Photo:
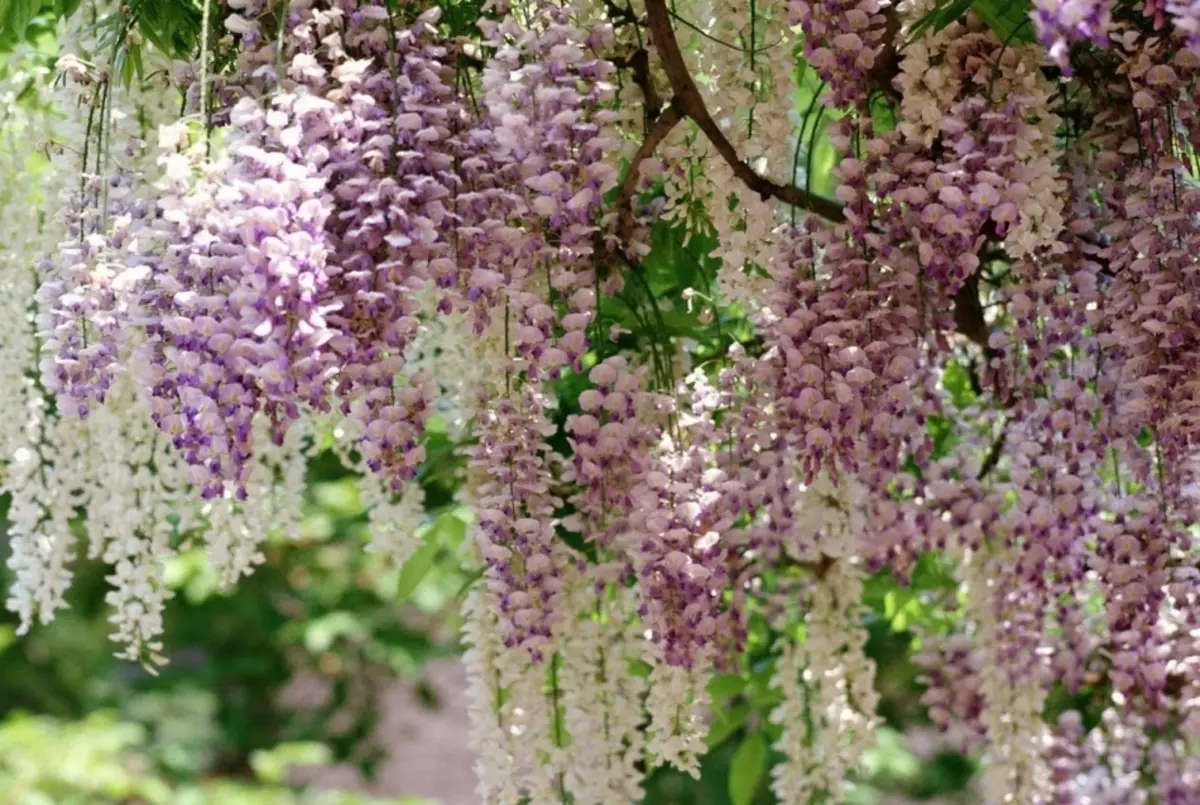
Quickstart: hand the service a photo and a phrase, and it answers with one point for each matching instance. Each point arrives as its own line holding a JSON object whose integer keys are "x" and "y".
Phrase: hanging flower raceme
{"x": 87, "y": 291}
{"x": 393, "y": 151}
{"x": 239, "y": 309}
{"x": 679, "y": 566}
{"x": 1153, "y": 341}
{"x": 612, "y": 440}
{"x": 81, "y": 320}
{"x": 516, "y": 529}
{"x": 545, "y": 94}
{"x": 841, "y": 41}
{"x": 818, "y": 362}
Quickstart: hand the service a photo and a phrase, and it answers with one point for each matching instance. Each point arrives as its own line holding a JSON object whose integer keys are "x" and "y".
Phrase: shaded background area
{"x": 428, "y": 752}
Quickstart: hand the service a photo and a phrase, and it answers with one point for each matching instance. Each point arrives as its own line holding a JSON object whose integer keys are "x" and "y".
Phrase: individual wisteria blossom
{"x": 1186, "y": 17}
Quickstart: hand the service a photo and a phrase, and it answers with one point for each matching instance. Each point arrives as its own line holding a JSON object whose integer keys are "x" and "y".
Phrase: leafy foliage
{"x": 102, "y": 760}
{"x": 320, "y": 611}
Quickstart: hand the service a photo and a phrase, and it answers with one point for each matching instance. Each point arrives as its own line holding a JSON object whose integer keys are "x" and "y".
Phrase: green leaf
{"x": 125, "y": 68}
{"x": 725, "y": 724}
{"x": 957, "y": 381}
{"x": 472, "y": 577}
{"x": 135, "y": 58}
{"x": 640, "y": 668}
{"x": 1145, "y": 437}
{"x": 883, "y": 113}
{"x": 746, "y": 771}
{"x": 900, "y": 607}
{"x": 172, "y": 27}
{"x": 5, "y": 14}
{"x": 271, "y": 765}
{"x": 341, "y": 497}
{"x": 938, "y": 18}
{"x": 415, "y": 569}
{"x": 15, "y": 16}
{"x": 891, "y": 759}
{"x": 722, "y": 686}
{"x": 65, "y": 8}
{"x": 323, "y": 632}
{"x": 1008, "y": 19}
{"x": 449, "y": 529}
{"x": 933, "y": 572}
{"x": 942, "y": 431}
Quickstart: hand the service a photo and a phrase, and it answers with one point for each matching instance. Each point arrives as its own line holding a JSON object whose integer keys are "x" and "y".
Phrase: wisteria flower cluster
{"x": 703, "y": 388}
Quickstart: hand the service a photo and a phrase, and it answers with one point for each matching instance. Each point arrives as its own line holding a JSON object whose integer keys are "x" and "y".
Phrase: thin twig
{"x": 670, "y": 117}
{"x": 993, "y": 455}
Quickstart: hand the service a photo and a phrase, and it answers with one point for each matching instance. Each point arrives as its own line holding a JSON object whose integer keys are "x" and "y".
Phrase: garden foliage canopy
{"x": 733, "y": 309}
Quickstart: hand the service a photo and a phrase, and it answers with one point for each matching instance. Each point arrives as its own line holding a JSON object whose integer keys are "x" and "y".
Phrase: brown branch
{"x": 993, "y": 455}
{"x": 690, "y": 102}
{"x": 618, "y": 15}
{"x": 968, "y": 316}
{"x": 661, "y": 127}
{"x": 887, "y": 63}
{"x": 817, "y": 568}
{"x": 639, "y": 63}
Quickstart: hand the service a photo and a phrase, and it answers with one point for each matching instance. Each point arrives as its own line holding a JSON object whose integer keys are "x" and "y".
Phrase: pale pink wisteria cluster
{"x": 983, "y": 347}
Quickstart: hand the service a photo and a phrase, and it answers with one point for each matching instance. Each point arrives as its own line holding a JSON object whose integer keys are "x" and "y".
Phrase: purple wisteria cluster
{"x": 527, "y": 563}
{"x": 240, "y": 310}
{"x": 88, "y": 286}
{"x": 842, "y": 38}
{"x": 348, "y": 184}
{"x": 613, "y": 442}
{"x": 681, "y": 557}
{"x": 1062, "y": 23}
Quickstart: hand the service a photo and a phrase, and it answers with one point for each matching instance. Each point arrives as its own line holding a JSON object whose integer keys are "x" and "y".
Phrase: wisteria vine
{"x": 971, "y": 340}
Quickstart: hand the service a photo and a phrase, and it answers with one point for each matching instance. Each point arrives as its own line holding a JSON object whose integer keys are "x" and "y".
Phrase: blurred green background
{"x": 321, "y": 615}
{"x": 222, "y": 724}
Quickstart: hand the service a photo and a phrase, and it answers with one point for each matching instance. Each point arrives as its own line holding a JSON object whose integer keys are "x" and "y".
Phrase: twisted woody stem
{"x": 687, "y": 103}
